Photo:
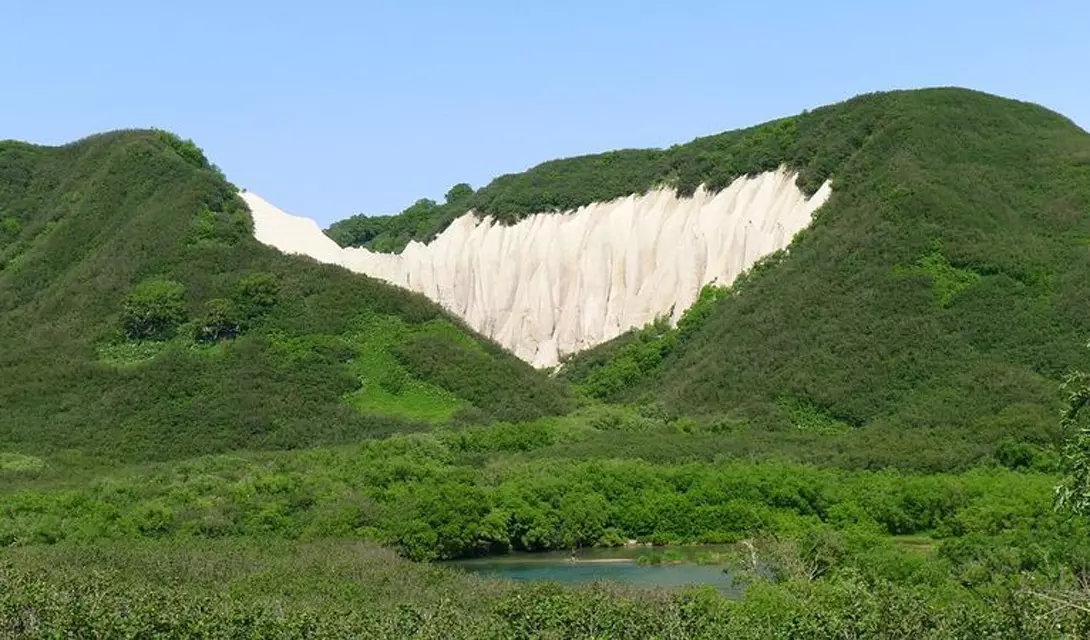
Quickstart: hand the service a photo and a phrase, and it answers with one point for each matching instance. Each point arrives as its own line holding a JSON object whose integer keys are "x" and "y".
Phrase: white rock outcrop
{"x": 558, "y": 283}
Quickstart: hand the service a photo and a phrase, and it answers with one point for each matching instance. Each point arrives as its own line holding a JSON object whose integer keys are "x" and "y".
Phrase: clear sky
{"x": 333, "y": 108}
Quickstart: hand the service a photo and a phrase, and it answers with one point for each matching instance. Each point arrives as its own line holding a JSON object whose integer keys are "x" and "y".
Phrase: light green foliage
{"x": 221, "y": 228}
{"x": 9, "y": 228}
{"x": 697, "y": 314}
{"x": 429, "y": 496}
{"x": 256, "y": 295}
{"x": 16, "y": 462}
{"x": 120, "y": 354}
{"x": 1072, "y": 495}
{"x": 348, "y": 589}
{"x": 946, "y": 279}
{"x": 639, "y": 354}
{"x": 154, "y": 310}
{"x": 386, "y": 386}
{"x": 806, "y": 417}
{"x": 204, "y": 227}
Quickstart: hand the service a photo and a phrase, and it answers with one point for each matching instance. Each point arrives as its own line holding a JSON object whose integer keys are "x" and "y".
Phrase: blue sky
{"x": 334, "y": 108}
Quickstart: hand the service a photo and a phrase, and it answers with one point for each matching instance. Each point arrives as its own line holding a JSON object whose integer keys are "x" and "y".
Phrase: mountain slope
{"x": 320, "y": 355}
{"x": 945, "y": 284}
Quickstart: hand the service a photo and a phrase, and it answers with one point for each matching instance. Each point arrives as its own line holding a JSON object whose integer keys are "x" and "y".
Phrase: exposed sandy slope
{"x": 554, "y": 284}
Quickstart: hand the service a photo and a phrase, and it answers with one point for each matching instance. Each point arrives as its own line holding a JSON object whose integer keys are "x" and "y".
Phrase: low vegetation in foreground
{"x": 283, "y": 544}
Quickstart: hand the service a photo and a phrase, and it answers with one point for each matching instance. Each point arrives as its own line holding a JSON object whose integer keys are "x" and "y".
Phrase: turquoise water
{"x": 600, "y": 565}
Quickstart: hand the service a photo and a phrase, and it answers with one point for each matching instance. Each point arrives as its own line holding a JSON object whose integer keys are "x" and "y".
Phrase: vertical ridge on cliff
{"x": 554, "y": 284}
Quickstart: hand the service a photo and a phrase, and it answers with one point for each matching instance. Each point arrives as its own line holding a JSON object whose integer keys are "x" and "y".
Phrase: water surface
{"x": 599, "y": 565}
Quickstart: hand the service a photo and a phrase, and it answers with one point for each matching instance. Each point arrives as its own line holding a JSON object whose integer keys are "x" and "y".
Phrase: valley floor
{"x": 327, "y": 542}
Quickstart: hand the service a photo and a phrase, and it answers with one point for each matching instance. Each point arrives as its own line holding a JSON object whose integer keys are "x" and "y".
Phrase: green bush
{"x": 154, "y": 310}
{"x": 221, "y": 320}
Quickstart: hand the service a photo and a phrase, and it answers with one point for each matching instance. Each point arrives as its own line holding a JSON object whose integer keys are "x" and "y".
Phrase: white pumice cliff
{"x": 558, "y": 283}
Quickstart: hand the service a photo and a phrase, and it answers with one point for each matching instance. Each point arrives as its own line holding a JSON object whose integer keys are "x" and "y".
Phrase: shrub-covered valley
{"x": 879, "y": 429}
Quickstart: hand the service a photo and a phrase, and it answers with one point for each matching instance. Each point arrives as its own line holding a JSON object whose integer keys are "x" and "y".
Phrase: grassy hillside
{"x": 945, "y": 285}
{"x": 139, "y": 319}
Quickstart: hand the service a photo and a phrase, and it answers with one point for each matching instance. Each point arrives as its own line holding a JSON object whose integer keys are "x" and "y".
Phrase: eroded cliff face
{"x": 558, "y": 283}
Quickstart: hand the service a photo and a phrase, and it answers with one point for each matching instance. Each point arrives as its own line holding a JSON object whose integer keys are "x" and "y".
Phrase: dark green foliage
{"x": 607, "y": 372}
{"x": 154, "y": 310}
{"x": 221, "y": 320}
{"x": 458, "y": 194}
{"x": 256, "y": 295}
{"x": 941, "y": 286}
{"x": 560, "y": 185}
{"x": 421, "y": 221}
{"x": 188, "y": 151}
{"x": 814, "y": 144}
{"x": 120, "y": 216}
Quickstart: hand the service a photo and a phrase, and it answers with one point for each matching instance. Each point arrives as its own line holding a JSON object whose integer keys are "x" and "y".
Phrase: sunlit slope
{"x": 946, "y": 282}
{"x": 239, "y": 346}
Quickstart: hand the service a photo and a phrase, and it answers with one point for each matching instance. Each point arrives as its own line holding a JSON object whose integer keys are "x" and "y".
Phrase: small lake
{"x": 620, "y": 565}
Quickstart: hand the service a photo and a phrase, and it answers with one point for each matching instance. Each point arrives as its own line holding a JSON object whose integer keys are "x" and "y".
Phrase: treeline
{"x": 814, "y": 144}
{"x": 432, "y": 497}
{"x": 423, "y": 220}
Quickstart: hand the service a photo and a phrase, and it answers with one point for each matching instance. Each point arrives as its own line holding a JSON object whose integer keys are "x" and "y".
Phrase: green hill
{"x": 139, "y": 319}
{"x": 945, "y": 285}
{"x": 943, "y": 288}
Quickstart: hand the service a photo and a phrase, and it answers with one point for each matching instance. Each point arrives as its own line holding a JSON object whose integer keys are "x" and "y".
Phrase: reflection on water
{"x": 614, "y": 565}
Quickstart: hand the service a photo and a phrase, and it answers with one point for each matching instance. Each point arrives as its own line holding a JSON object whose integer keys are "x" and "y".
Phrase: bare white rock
{"x": 558, "y": 283}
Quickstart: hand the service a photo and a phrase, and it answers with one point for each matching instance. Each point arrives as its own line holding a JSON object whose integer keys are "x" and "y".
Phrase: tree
{"x": 1073, "y": 492}
{"x": 220, "y": 321}
{"x": 458, "y": 193}
{"x": 154, "y": 310}
{"x": 255, "y": 295}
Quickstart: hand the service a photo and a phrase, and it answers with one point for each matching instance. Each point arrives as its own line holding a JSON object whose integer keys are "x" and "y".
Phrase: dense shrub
{"x": 154, "y": 310}
{"x": 221, "y": 320}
